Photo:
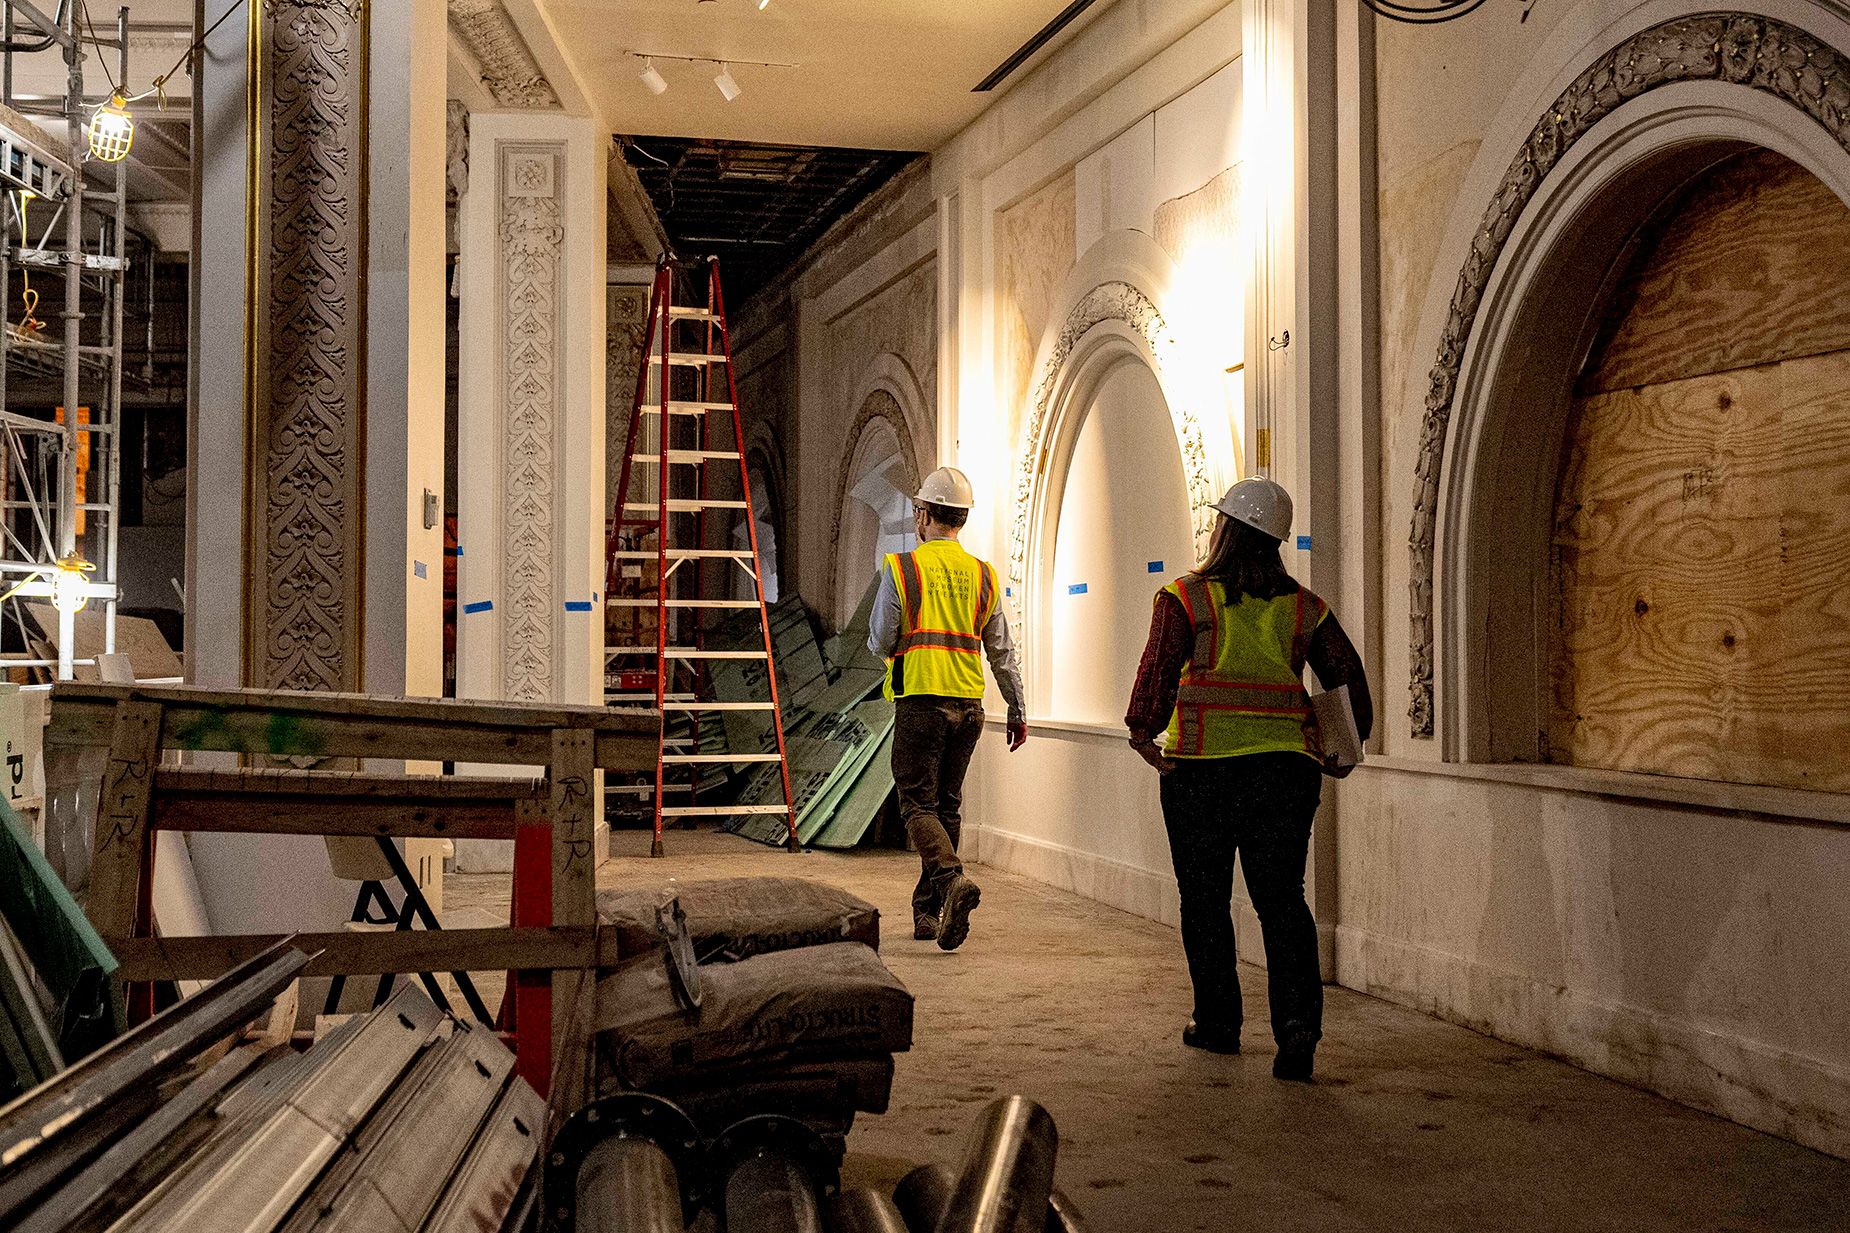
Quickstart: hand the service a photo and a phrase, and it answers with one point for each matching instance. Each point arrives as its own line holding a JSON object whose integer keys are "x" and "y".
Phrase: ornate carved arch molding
{"x": 1759, "y": 53}
{"x": 880, "y": 403}
{"x": 1107, "y": 302}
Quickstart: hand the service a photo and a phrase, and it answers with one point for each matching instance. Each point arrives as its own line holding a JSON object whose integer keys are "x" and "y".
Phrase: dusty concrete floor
{"x": 1412, "y": 1123}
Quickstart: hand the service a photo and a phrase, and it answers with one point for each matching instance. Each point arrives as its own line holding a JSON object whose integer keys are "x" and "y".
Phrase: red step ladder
{"x": 662, "y": 547}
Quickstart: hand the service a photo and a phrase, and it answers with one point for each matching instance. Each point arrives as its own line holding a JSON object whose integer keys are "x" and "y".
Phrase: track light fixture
{"x": 763, "y": 5}
{"x": 652, "y": 77}
{"x": 728, "y": 88}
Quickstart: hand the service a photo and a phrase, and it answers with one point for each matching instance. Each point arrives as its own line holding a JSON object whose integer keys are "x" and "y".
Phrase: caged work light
{"x": 70, "y": 584}
{"x": 112, "y": 130}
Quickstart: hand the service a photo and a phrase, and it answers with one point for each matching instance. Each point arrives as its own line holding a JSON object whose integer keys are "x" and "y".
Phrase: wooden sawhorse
{"x": 552, "y": 946}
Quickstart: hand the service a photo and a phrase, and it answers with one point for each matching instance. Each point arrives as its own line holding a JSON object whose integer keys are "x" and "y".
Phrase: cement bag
{"x": 789, "y": 1005}
{"x": 736, "y": 918}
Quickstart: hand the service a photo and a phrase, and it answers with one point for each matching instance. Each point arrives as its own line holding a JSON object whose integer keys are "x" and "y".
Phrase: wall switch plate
{"x": 430, "y": 509}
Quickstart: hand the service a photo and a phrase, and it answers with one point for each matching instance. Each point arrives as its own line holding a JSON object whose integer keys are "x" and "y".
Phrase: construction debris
{"x": 404, "y": 1118}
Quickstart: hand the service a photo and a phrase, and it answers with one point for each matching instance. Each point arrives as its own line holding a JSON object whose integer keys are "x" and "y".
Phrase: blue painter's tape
{"x": 480, "y": 605}
{"x": 1008, "y": 590}
{"x": 1155, "y": 567}
{"x": 459, "y": 550}
{"x": 1303, "y": 543}
{"x": 420, "y": 569}
{"x": 1078, "y": 588}
{"x": 578, "y": 605}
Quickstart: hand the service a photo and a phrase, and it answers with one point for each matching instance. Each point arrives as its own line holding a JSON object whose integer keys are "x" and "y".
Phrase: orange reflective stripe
{"x": 1203, "y": 616}
{"x": 942, "y": 639}
{"x": 913, "y": 597}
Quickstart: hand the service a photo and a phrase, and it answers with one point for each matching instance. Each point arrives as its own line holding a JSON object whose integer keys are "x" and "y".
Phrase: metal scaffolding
{"x": 58, "y": 535}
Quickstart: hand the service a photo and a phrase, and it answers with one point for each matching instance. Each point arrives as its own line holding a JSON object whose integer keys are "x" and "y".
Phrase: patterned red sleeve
{"x": 1159, "y": 674}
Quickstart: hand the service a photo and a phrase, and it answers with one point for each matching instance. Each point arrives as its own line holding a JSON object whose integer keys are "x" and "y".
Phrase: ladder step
{"x": 720, "y": 811}
{"x": 690, "y": 456}
{"x": 648, "y": 698}
{"x": 719, "y": 706}
{"x": 689, "y": 359}
{"x": 681, "y": 406}
{"x": 684, "y": 759}
{"x": 683, "y": 652}
{"x": 680, "y": 505}
{"x": 620, "y": 601}
{"x": 687, "y": 554}
{"x": 693, "y": 314}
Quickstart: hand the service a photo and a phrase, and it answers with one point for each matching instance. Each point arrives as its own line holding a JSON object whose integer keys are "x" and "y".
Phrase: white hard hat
{"x": 1261, "y": 505}
{"x": 949, "y": 487}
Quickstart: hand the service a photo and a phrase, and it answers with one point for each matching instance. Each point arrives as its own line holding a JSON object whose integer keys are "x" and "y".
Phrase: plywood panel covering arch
{"x": 1701, "y": 612}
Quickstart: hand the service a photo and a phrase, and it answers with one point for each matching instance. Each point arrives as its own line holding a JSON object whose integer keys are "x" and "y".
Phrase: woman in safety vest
{"x": 1241, "y": 764}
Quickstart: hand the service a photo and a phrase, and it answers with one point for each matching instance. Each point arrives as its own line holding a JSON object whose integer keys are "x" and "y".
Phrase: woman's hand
{"x": 1152, "y": 753}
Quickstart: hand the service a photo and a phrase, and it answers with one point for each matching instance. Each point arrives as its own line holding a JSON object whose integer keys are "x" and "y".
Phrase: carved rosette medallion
{"x": 531, "y": 236}
{"x": 1743, "y": 49}
{"x": 307, "y": 406}
{"x": 1113, "y": 301}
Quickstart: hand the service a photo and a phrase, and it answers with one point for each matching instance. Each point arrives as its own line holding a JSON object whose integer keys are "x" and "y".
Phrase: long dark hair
{"x": 1245, "y": 561}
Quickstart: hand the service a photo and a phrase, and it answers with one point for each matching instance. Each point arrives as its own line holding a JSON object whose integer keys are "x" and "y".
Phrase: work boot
{"x": 960, "y": 899}
{"x": 924, "y": 928}
{"x": 1297, "y": 1054}
{"x": 1214, "y": 1040}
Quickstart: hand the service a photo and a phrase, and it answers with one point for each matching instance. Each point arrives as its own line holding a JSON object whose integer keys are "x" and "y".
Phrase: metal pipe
{"x": 628, "y": 1186}
{"x": 73, "y": 326}
{"x": 623, "y": 1164}
{"x": 112, "y": 443}
{"x": 923, "y": 1195}
{"x": 864, "y": 1211}
{"x": 1007, "y": 1173}
{"x": 770, "y": 1169}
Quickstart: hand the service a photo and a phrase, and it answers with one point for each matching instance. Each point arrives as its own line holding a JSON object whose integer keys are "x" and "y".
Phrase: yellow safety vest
{"x": 946, "y": 597}
{"x": 1242, "y": 691}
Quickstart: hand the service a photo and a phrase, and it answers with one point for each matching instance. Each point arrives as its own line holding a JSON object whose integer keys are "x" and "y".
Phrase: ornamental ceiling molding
{"x": 1743, "y": 49}
{"x": 509, "y": 70}
{"x": 532, "y": 236}
{"x": 303, "y": 604}
{"x": 1120, "y": 302}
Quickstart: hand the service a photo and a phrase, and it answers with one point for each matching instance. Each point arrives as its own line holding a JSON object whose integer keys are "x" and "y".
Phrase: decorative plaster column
{"x": 531, "y": 437}
{"x": 317, "y": 408}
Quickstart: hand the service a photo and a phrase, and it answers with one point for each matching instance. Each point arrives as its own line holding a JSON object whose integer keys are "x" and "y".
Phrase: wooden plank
{"x": 1702, "y": 538}
{"x": 289, "y": 780}
{"x": 574, "y": 903}
{"x": 281, "y": 724}
{"x": 367, "y": 954}
{"x": 122, "y": 834}
{"x": 360, "y": 817}
{"x": 1748, "y": 270}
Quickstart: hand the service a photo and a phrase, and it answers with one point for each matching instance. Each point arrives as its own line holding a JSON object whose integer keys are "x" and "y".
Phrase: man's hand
{"x": 1018, "y": 734}
{"x": 1152, "y": 753}
{"x": 1334, "y": 769}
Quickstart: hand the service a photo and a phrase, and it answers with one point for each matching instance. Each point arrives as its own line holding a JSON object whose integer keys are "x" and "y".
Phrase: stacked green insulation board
{"x": 838, "y": 731}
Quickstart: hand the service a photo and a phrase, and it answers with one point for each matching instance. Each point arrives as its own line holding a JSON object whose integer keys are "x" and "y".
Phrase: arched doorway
{"x": 874, "y": 511}
{"x": 1701, "y": 528}
{"x": 1123, "y": 527}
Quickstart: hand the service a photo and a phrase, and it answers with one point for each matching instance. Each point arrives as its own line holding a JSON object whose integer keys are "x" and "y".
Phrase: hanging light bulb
{"x": 112, "y": 130}
{"x": 70, "y": 584}
{"x": 652, "y": 77}
{"x": 727, "y": 86}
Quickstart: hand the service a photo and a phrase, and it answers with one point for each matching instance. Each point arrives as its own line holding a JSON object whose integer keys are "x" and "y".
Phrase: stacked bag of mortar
{"x": 750, "y": 995}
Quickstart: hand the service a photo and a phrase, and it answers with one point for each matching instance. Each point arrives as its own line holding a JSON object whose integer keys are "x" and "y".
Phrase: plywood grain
{"x": 1702, "y": 578}
{"x": 1750, "y": 268}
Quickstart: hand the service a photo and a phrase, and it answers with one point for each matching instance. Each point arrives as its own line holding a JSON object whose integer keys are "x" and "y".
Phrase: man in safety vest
{"x": 937, "y": 613}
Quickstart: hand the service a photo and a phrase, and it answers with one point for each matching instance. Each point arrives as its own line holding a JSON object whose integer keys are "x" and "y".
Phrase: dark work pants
{"x": 1259, "y": 806}
{"x": 933, "y": 739}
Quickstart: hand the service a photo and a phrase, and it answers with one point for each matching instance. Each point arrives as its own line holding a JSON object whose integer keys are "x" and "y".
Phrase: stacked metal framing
{"x": 47, "y": 210}
{"x": 403, "y": 1119}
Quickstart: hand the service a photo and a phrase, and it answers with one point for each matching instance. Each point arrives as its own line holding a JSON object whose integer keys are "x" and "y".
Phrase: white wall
{"x": 1123, "y": 531}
